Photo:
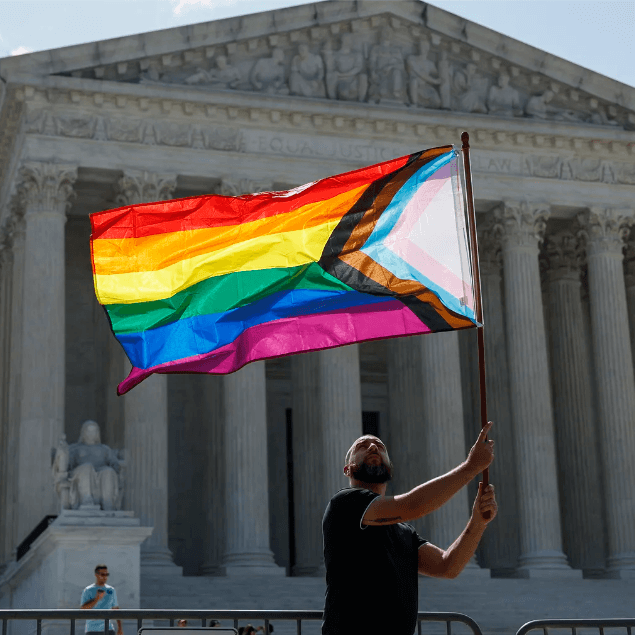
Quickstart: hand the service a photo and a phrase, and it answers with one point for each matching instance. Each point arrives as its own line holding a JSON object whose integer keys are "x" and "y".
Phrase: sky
{"x": 599, "y": 35}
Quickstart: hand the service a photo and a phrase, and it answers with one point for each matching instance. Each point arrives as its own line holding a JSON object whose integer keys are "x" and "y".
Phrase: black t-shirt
{"x": 371, "y": 571}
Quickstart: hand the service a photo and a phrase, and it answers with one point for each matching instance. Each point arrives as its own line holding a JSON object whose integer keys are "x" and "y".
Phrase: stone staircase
{"x": 498, "y": 605}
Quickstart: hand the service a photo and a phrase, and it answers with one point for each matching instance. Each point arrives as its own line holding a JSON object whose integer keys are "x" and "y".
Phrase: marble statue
{"x": 268, "y": 74}
{"x": 472, "y": 89}
{"x": 503, "y": 100}
{"x": 307, "y": 74}
{"x": 539, "y": 108}
{"x": 421, "y": 78}
{"x": 345, "y": 78}
{"x": 151, "y": 75}
{"x": 445, "y": 78}
{"x": 387, "y": 70}
{"x": 223, "y": 76}
{"x": 600, "y": 117}
{"x": 87, "y": 473}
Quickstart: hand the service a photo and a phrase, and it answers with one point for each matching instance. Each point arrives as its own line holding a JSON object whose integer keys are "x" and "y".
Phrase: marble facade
{"x": 272, "y": 101}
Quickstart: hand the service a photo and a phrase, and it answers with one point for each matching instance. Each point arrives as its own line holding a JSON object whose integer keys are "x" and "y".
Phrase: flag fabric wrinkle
{"x": 208, "y": 284}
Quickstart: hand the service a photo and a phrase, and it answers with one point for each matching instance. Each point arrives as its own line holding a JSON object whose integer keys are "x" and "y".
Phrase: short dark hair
{"x": 100, "y": 566}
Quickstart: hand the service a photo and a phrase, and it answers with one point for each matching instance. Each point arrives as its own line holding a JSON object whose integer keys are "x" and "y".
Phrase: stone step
{"x": 498, "y": 605}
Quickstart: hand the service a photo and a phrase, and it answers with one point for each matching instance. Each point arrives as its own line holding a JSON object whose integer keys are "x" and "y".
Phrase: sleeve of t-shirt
{"x": 417, "y": 539}
{"x": 349, "y": 506}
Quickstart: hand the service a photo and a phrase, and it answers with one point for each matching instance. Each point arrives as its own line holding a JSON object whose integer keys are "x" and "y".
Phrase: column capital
{"x": 238, "y": 186}
{"x": 563, "y": 255}
{"x": 521, "y": 223}
{"x": 605, "y": 230}
{"x": 46, "y": 187}
{"x": 489, "y": 247}
{"x": 140, "y": 186}
{"x": 629, "y": 264}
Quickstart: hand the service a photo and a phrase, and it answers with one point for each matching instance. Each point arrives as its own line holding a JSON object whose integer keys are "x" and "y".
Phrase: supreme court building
{"x": 234, "y": 472}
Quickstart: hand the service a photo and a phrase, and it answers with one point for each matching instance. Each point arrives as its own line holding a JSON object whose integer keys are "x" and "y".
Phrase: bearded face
{"x": 372, "y": 473}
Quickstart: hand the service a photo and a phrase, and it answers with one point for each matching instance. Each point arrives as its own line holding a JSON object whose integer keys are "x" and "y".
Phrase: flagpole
{"x": 465, "y": 138}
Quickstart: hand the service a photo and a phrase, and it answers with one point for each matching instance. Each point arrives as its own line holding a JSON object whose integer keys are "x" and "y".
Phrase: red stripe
{"x": 199, "y": 212}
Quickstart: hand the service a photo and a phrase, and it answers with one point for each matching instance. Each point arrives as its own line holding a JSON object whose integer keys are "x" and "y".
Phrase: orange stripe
{"x": 373, "y": 270}
{"x": 152, "y": 253}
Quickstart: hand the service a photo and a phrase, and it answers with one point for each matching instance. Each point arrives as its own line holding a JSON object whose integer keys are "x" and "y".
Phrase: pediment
{"x": 402, "y": 53}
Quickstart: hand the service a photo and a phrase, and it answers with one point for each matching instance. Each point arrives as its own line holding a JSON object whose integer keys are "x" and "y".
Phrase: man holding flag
{"x": 373, "y": 557}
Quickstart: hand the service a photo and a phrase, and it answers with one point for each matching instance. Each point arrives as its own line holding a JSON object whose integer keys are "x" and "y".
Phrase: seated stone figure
{"x": 87, "y": 473}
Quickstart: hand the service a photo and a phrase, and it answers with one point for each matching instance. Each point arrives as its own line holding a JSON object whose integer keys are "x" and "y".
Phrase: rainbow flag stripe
{"x": 209, "y": 283}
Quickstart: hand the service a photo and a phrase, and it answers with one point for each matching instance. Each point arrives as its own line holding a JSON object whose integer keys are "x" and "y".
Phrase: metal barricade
{"x": 574, "y": 625}
{"x": 202, "y": 617}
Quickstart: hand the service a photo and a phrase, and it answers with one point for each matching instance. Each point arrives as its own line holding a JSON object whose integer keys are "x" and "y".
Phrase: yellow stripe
{"x": 287, "y": 249}
{"x": 151, "y": 253}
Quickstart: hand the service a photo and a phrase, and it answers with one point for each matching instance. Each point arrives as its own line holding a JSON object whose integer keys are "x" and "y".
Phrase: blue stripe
{"x": 392, "y": 213}
{"x": 400, "y": 268}
{"x": 205, "y": 333}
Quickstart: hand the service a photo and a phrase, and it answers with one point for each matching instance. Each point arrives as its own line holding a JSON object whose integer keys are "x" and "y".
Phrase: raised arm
{"x": 425, "y": 498}
{"x": 437, "y": 563}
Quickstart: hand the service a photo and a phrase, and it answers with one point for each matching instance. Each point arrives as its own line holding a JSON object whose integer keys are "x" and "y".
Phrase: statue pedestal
{"x": 61, "y": 562}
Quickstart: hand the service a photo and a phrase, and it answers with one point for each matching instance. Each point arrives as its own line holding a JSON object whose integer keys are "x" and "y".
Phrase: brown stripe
{"x": 366, "y": 225}
{"x": 400, "y": 287}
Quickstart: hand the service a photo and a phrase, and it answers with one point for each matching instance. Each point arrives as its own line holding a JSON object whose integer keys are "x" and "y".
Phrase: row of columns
{"x": 426, "y": 435}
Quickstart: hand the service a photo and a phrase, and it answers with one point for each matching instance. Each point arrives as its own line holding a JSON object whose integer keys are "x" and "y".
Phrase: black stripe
{"x": 350, "y": 220}
{"x": 358, "y": 281}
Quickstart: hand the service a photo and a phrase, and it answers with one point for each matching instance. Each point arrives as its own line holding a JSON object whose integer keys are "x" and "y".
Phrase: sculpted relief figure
{"x": 421, "y": 82}
{"x": 387, "y": 70}
{"x": 307, "y": 74}
{"x": 345, "y": 78}
{"x": 87, "y": 472}
{"x": 472, "y": 90}
{"x": 223, "y": 76}
{"x": 445, "y": 77}
{"x": 503, "y": 100}
{"x": 268, "y": 75}
{"x": 539, "y": 108}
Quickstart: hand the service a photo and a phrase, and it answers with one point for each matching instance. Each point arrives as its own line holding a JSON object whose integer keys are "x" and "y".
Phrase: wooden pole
{"x": 471, "y": 215}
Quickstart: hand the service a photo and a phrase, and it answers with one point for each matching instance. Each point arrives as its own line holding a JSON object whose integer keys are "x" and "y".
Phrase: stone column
{"x": 427, "y": 434}
{"x": 46, "y": 189}
{"x": 578, "y": 466}
{"x": 215, "y": 470}
{"x": 629, "y": 278}
{"x": 612, "y": 358}
{"x": 501, "y": 543}
{"x": 247, "y": 550}
{"x": 17, "y": 235}
{"x": 441, "y": 419}
{"x": 146, "y": 415}
{"x": 327, "y": 418}
{"x": 522, "y": 227}
{"x": 6, "y": 271}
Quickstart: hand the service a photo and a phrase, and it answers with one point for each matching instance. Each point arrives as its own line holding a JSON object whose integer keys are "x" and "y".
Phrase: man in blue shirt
{"x": 100, "y": 596}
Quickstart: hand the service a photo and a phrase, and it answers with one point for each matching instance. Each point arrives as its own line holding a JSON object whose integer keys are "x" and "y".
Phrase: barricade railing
{"x": 202, "y": 617}
{"x": 574, "y": 625}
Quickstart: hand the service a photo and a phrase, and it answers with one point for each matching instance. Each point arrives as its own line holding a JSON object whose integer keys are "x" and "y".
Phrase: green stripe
{"x": 219, "y": 294}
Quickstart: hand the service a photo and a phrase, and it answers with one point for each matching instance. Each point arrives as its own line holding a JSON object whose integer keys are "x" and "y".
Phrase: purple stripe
{"x": 294, "y": 335}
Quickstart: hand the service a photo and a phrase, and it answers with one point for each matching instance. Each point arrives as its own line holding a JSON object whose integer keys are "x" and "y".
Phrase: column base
{"x": 213, "y": 570}
{"x": 546, "y": 564}
{"x": 248, "y": 564}
{"x": 621, "y": 566}
{"x": 158, "y": 561}
{"x": 308, "y": 571}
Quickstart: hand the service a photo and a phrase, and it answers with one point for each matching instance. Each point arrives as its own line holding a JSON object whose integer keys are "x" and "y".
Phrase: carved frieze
{"x": 375, "y": 62}
{"x": 134, "y": 130}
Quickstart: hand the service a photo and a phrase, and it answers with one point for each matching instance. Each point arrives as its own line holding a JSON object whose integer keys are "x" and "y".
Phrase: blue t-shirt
{"x": 108, "y": 601}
